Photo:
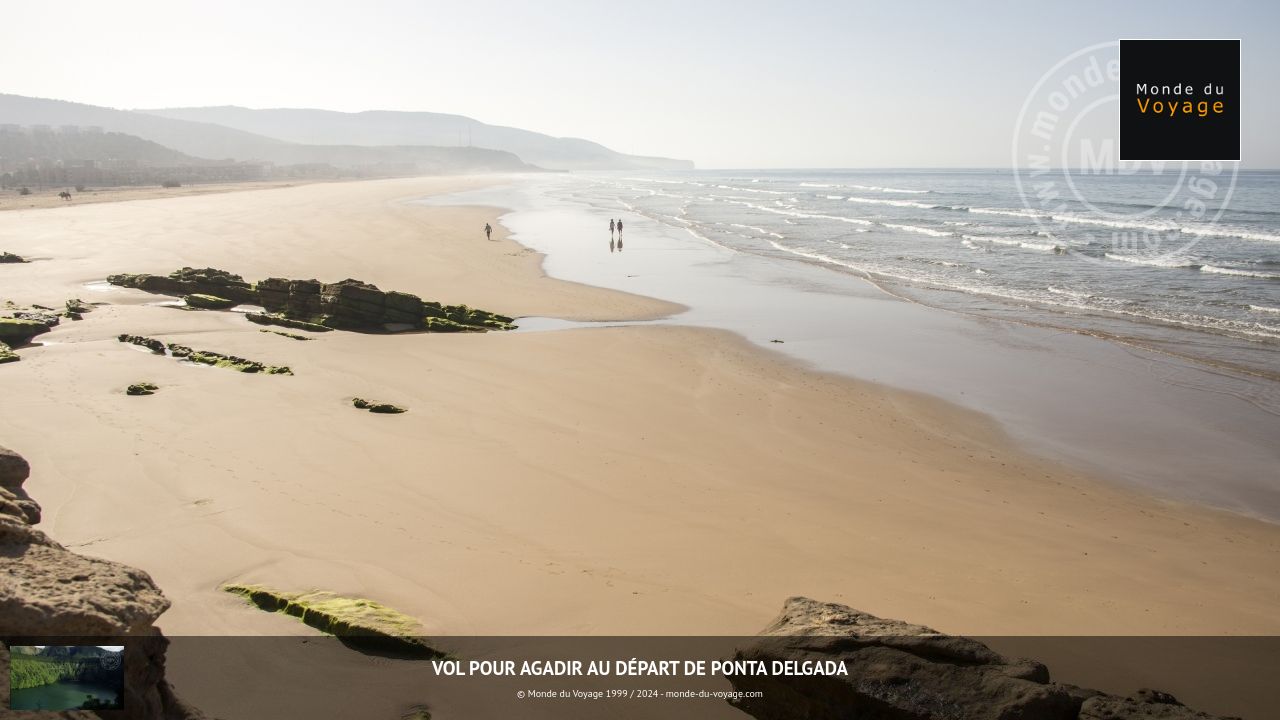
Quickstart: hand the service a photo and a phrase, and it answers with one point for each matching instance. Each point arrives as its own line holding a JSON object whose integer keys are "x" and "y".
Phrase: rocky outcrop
{"x": 191, "y": 281}
{"x": 355, "y": 305}
{"x": 1142, "y": 705}
{"x": 899, "y": 671}
{"x": 76, "y": 308}
{"x": 7, "y": 355}
{"x": 360, "y": 623}
{"x": 142, "y": 388}
{"x": 291, "y": 336}
{"x": 19, "y": 331}
{"x": 271, "y": 319}
{"x": 374, "y": 406}
{"x": 313, "y": 305}
{"x": 8, "y": 257}
{"x": 208, "y": 302}
{"x": 151, "y": 344}
{"x": 49, "y": 319}
{"x": 14, "y": 469}
{"x": 50, "y": 592}
{"x": 204, "y": 357}
{"x": 231, "y": 362}
{"x": 14, "y": 501}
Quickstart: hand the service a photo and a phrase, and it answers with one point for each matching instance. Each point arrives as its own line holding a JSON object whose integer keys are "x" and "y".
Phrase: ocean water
{"x": 1155, "y": 374}
{"x": 1115, "y": 256}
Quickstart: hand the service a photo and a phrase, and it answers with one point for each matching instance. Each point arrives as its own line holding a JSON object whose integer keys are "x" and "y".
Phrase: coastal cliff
{"x": 49, "y": 594}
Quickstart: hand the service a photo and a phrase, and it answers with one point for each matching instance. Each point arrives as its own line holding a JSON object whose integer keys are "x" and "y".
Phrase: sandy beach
{"x": 633, "y": 480}
{"x": 41, "y": 198}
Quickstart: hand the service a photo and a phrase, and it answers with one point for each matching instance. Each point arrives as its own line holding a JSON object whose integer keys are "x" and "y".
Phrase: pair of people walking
{"x": 615, "y": 226}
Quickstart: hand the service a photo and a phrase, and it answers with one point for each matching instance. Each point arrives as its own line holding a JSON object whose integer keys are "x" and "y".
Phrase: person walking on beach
{"x": 488, "y": 231}
{"x": 610, "y": 229}
{"x": 619, "y": 228}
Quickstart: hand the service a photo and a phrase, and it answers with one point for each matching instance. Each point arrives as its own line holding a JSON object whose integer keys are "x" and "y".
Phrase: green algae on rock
{"x": 377, "y": 407}
{"x": 17, "y": 331}
{"x": 281, "y": 333}
{"x": 358, "y": 622}
{"x": 208, "y": 302}
{"x": 232, "y": 362}
{"x": 310, "y": 304}
{"x": 76, "y": 308}
{"x": 8, "y": 257}
{"x": 188, "y": 281}
{"x": 142, "y": 388}
{"x": 151, "y": 344}
{"x": 282, "y": 321}
{"x": 7, "y": 355}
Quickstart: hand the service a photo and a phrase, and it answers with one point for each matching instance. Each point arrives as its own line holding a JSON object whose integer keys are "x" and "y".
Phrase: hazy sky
{"x": 726, "y": 84}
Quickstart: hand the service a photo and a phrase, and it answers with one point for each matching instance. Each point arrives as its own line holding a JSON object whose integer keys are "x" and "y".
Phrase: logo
{"x": 1073, "y": 182}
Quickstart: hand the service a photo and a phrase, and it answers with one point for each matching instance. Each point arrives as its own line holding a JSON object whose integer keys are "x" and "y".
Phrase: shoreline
{"x": 604, "y": 455}
{"x": 1173, "y": 428}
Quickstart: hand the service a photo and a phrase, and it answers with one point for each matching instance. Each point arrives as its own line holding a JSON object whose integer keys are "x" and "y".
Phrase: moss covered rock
{"x": 34, "y": 315}
{"x": 208, "y": 302}
{"x": 281, "y": 333}
{"x": 151, "y": 344}
{"x": 75, "y": 309}
{"x": 8, "y": 257}
{"x": 359, "y": 622}
{"x": 7, "y": 355}
{"x": 270, "y": 319}
{"x": 142, "y": 388}
{"x": 310, "y": 304}
{"x": 377, "y": 407}
{"x": 189, "y": 281}
{"x": 16, "y": 331}
{"x": 456, "y": 318}
{"x": 231, "y": 362}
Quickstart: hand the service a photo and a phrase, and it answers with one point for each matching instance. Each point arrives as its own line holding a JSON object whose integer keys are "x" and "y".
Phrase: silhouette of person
{"x": 610, "y": 228}
{"x": 619, "y": 228}
{"x": 488, "y": 231}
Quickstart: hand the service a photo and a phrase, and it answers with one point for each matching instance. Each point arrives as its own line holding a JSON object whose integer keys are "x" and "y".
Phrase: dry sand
{"x": 627, "y": 480}
{"x": 48, "y": 197}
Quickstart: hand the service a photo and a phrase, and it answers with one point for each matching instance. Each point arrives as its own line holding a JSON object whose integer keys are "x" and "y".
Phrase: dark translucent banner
{"x": 319, "y": 676}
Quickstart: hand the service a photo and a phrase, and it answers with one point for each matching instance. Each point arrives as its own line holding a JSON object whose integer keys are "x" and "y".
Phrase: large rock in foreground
{"x": 50, "y": 595}
{"x": 899, "y": 671}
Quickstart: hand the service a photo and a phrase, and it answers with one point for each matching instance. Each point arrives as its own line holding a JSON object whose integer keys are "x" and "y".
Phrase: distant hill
{"x": 197, "y": 139}
{"x": 86, "y": 146}
{"x": 215, "y": 142}
{"x": 383, "y": 127}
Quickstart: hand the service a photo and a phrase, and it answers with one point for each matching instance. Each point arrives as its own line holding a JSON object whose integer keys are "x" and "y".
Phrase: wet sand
{"x": 1158, "y": 423}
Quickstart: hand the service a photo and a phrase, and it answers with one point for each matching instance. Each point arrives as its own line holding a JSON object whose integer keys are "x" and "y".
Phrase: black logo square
{"x": 1179, "y": 99}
